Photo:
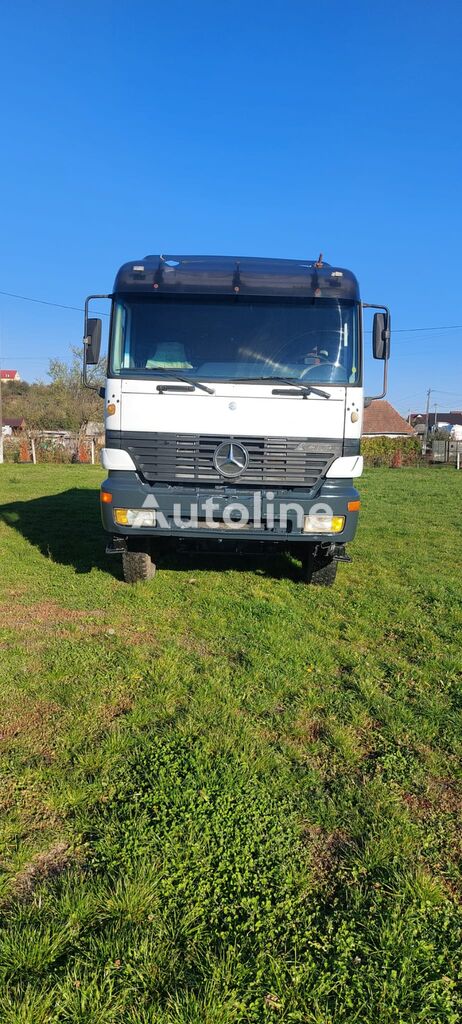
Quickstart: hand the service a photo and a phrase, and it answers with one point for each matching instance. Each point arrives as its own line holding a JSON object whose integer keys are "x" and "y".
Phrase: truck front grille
{"x": 188, "y": 458}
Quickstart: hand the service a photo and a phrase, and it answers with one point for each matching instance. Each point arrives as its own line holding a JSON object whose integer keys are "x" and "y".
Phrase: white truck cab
{"x": 233, "y": 407}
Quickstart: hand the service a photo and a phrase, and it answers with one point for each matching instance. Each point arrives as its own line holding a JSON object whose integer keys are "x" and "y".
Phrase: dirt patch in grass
{"x": 45, "y": 613}
{"x": 35, "y": 724}
{"x": 33, "y": 624}
{"x": 440, "y": 796}
{"x": 325, "y": 850}
{"x": 134, "y": 637}
{"x": 108, "y": 713}
{"x": 195, "y": 646}
{"x": 446, "y": 795}
{"x": 49, "y": 864}
{"x": 438, "y": 811}
{"x": 311, "y": 729}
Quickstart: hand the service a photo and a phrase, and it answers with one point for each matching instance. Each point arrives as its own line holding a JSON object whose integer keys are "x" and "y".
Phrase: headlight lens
{"x": 323, "y": 524}
{"x": 137, "y": 517}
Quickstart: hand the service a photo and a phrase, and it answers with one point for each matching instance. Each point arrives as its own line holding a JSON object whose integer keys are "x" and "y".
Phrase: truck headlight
{"x": 135, "y": 516}
{"x": 323, "y": 524}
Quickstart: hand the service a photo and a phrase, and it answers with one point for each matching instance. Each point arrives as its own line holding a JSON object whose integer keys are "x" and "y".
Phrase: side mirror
{"x": 381, "y": 336}
{"x": 92, "y": 341}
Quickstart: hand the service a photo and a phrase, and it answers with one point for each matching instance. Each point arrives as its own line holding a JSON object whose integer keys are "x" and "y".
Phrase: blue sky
{"x": 247, "y": 128}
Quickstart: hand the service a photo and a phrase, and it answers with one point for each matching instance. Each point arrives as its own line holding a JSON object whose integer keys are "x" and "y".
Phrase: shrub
{"x": 17, "y": 449}
{"x": 388, "y": 451}
{"x": 11, "y": 449}
{"x": 49, "y": 452}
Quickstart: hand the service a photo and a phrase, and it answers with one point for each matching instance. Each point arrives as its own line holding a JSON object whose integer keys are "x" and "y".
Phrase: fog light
{"x": 136, "y": 517}
{"x": 323, "y": 524}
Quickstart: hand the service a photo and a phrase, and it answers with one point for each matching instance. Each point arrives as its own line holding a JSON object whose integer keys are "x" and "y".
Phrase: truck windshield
{"x": 236, "y": 338}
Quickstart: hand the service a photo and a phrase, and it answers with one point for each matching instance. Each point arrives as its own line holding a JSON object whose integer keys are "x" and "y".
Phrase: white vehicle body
{"x": 234, "y": 409}
{"x": 183, "y": 427}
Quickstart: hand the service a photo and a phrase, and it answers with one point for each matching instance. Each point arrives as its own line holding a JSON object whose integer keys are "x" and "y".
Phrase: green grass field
{"x": 227, "y": 796}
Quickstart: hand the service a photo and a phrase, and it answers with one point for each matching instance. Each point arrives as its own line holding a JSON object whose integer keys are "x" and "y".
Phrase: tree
{"x": 63, "y": 404}
{"x": 76, "y": 404}
{"x": 71, "y": 375}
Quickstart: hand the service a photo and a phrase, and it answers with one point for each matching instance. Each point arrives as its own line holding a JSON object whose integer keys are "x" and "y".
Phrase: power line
{"x": 407, "y": 330}
{"x": 431, "y": 330}
{"x": 45, "y": 302}
{"x": 407, "y": 398}
{"x": 440, "y": 392}
{"x": 436, "y": 391}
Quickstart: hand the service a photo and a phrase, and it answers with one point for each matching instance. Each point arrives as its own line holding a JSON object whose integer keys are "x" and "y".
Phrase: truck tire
{"x": 320, "y": 572}
{"x": 137, "y": 566}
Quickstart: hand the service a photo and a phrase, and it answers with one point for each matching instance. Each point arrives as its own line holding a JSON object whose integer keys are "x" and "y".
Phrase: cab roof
{"x": 228, "y": 275}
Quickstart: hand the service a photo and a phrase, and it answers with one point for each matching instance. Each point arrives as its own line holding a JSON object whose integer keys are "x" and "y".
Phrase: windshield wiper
{"x": 303, "y": 389}
{"x": 185, "y": 380}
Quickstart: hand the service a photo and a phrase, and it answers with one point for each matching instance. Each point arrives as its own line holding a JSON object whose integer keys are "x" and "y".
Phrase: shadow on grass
{"x": 66, "y": 528}
{"x": 220, "y": 559}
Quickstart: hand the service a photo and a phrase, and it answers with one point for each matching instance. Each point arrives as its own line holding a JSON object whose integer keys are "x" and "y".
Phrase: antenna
{"x": 319, "y": 262}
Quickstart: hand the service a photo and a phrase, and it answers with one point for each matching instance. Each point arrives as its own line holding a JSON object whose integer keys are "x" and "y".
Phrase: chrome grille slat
{"x": 188, "y": 458}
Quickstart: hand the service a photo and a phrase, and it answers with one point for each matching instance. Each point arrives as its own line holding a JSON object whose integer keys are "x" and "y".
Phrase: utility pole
{"x": 427, "y": 412}
{"x": 436, "y": 417}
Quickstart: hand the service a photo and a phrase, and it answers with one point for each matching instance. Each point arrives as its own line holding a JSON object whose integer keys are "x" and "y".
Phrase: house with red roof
{"x": 9, "y": 375}
{"x": 382, "y": 420}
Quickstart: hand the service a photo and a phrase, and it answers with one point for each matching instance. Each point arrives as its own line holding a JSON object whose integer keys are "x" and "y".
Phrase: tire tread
{"x": 319, "y": 574}
{"x": 138, "y": 566}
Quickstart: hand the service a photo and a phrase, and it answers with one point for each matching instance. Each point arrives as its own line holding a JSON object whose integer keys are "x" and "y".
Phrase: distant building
{"x": 382, "y": 420}
{"x": 9, "y": 375}
{"x": 448, "y": 419}
{"x": 12, "y": 426}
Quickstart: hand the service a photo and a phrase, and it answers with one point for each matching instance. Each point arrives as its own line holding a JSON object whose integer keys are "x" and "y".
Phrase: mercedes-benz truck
{"x": 233, "y": 407}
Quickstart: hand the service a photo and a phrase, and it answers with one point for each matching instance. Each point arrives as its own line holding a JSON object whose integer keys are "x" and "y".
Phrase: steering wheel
{"x": 316, "y": 366}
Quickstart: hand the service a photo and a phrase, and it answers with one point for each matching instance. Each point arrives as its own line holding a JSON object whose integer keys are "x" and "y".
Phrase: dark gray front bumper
{"x": 263, "y": 505}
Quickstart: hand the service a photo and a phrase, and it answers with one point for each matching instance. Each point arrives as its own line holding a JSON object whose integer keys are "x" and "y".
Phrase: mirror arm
{"x": 85, "y": 381}
{"x": 374, "y": 398}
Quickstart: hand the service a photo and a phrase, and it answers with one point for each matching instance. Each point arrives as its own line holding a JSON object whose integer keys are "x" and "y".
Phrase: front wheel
{"x": 137, "y": 566}
{"x": 319, "y": 570}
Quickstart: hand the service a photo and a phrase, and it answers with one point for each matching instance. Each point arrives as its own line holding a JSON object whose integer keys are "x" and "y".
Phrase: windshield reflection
{"x": 312, "y": 341}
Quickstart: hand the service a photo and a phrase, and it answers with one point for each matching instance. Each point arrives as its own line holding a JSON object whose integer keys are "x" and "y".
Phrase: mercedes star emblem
{"x": 231, "y": 459}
